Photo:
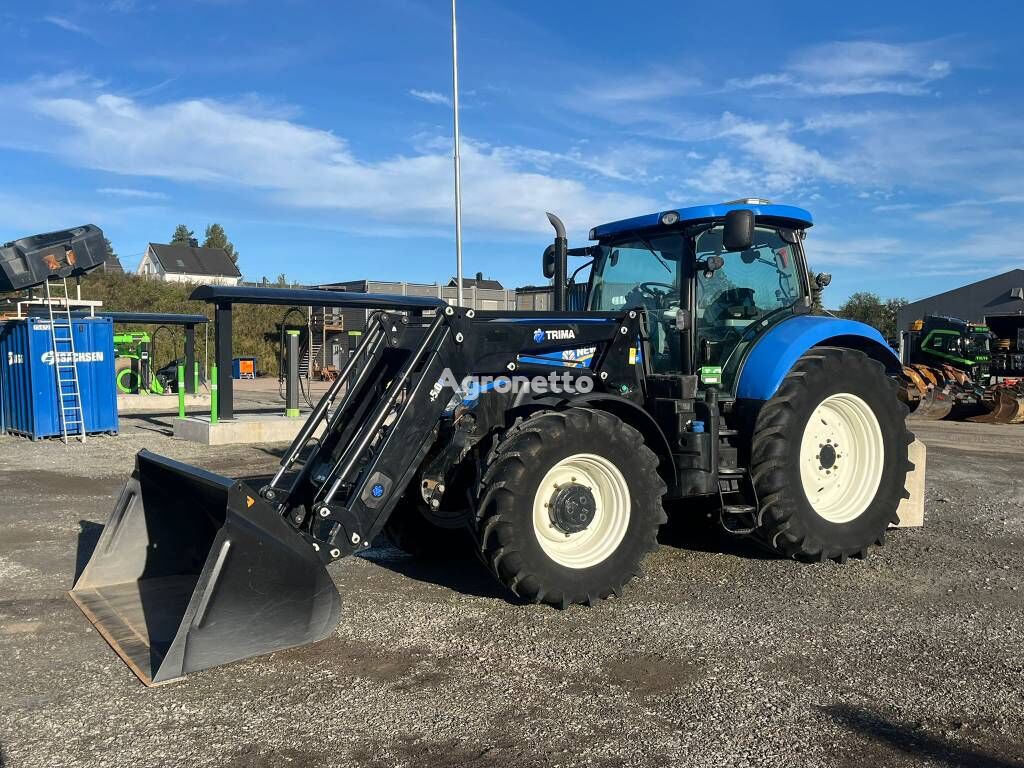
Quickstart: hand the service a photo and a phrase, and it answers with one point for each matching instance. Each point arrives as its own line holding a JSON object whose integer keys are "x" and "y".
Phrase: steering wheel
{"x": 649, "y": 286}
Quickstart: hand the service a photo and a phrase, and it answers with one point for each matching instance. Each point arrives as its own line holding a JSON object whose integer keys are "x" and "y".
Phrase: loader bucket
{"x": 194, "y": 570}
{"x": 934, "y": 406}
{"x": 1007, "y": 408}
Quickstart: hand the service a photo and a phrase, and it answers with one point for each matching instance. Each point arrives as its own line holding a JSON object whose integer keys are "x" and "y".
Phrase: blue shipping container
{"x": 28, "y": 382}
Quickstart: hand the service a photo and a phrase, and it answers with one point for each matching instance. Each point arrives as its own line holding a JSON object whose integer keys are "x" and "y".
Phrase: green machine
{"x": 938, "y": 341}
{"x": 133, "y": 353}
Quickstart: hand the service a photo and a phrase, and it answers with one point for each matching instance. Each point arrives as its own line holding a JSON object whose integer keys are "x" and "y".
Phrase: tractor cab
{"x": 938, "y": 340}
{"x": 710, "y": 279}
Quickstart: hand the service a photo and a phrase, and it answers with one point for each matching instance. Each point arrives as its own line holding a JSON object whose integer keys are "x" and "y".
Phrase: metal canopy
{"x": 155, "y": 318}
{"x": 142, "y": 318}
{"x": 240, "y": 294}
{"x": 223, "y": 297}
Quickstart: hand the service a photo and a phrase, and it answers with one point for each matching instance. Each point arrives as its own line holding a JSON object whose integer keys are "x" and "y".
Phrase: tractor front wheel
{"x": 425, "y": 534}
{"x": 570, "y": 504}
{"x": 829, "y": 457}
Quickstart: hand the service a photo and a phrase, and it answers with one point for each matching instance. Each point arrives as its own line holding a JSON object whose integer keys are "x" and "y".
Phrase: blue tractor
{"x": 553, "y": 443}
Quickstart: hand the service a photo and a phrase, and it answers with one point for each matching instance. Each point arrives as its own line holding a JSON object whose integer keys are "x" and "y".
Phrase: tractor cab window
{"x": 752, "y": 289}
{"x": 642, "y": 273}
{"x": 943, "y": 342}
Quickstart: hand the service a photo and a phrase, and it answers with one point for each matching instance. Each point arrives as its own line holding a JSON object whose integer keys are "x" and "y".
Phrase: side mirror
{"x": 822, "y": 279}
{"x": 738, "y": 234}
{"x": 548, "y": 262}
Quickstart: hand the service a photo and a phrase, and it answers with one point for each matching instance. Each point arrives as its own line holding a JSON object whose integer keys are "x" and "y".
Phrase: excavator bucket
{"x": 194, "y": 570}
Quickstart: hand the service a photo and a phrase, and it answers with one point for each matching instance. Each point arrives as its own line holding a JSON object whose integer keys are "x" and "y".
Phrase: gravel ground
{"x": 720, "y": 656}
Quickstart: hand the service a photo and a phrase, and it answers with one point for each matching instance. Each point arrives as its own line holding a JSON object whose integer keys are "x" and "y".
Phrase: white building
{"x": 186, "y": 263}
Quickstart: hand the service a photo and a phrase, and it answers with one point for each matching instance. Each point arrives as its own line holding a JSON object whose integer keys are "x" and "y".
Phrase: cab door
{"x": 753, "y": 290}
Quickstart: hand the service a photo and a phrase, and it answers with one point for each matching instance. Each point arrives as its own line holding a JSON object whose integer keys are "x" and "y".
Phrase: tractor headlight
{"x": 669, "y": 218}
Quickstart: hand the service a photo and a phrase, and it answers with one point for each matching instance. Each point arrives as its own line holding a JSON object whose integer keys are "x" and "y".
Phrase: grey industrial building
{"x": 995, "y": 301}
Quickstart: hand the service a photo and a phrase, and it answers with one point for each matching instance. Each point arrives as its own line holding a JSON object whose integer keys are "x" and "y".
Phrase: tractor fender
{"x": 629, "y": 412}
{"x": 775, "y": 353}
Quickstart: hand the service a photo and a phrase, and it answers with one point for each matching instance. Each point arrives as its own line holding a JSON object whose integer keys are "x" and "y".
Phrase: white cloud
{"x": 757, "y": 158}
{"x": 140, "y": 194}
{"x": 431, "y": 97}
{"x": 655, "y": 86}
{"x": 854, "y": 68}
{"x": 205, "y": 141}
{"x": 67, "y": 24}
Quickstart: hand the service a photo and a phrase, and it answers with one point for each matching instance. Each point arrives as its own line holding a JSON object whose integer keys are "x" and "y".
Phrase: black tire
{"x": 518, "y": 463}
{"x": 789, "y": 522}
{"x": 412, "y": 529}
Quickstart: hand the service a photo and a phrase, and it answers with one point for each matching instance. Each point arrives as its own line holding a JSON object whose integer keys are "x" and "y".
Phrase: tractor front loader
{"x": 552, "y": 441}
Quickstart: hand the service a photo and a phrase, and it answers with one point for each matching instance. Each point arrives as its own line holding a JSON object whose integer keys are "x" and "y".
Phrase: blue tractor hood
{"x": 784, "y": 215}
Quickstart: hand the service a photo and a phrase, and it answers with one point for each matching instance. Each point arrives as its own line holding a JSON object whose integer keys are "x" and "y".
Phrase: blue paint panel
{"x": 777, "y": 351}
{"x": 796, "y": 217}
{"x": 28, "y": 383}
{"x": 569, "y": 358}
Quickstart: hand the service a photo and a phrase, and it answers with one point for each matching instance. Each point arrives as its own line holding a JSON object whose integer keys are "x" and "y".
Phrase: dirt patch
{"x": 649, "y": 675}
{"x": 253, "y": 756}
{"x": 360, "y": 660}
{"x": 20, "y": 628}
{"x": 68, "y": 483}
{"x": 493, "y": 750}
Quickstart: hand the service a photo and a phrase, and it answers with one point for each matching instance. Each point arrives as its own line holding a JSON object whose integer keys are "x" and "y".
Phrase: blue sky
{"x": 318, "y": 133}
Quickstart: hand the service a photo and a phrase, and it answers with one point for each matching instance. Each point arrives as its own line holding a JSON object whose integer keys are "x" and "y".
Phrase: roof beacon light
{"x": 669, "y": 218}
{"x": 749, "y": 201}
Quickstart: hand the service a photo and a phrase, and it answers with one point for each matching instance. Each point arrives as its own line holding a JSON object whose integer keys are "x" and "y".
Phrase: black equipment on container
{"x": 31, "y": 261}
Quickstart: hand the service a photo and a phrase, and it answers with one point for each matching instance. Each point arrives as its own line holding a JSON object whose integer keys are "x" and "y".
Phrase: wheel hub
{"x": 572, "y": 508}
{"x": 827, "y": 456}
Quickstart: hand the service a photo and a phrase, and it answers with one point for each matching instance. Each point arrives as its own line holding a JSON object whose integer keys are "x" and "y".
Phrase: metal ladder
{"x": 62, "y": 338}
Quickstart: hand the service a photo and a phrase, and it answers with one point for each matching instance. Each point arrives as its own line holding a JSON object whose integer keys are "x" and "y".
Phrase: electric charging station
{"x": 292, "y": 374}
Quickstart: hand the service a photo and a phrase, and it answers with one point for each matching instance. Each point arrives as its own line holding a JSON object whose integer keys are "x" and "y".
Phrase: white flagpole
{"x": 458, "y": 169}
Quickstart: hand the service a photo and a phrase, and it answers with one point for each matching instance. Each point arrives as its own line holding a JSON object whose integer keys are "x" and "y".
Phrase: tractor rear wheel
{"x": 829, "y": 457}
{"x": 569, "y": 506}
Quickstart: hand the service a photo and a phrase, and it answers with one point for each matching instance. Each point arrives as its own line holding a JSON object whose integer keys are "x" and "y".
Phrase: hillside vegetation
{"x": 254, "y": 330}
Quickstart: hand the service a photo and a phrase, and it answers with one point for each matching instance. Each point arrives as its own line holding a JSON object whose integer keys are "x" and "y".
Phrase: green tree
{"x": 111, "y": 253}
{"x": 871, "y": 309}
{"x": 216, "y": 237}
{"x": 182, "y": 234}
{"x": 816, "y": 305}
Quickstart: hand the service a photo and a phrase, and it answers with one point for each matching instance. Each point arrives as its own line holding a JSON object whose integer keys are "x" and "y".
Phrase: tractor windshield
{"x": 979, "y": 345}
{"x": 752, "y": 289}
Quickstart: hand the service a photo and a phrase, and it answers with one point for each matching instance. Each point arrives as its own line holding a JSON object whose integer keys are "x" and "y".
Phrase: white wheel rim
{"x": 602, "y": 536}
{"x": 841, "y": 458}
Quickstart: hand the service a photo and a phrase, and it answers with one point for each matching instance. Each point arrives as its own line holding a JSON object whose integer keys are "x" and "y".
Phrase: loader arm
{"x": 373, "y": 440}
